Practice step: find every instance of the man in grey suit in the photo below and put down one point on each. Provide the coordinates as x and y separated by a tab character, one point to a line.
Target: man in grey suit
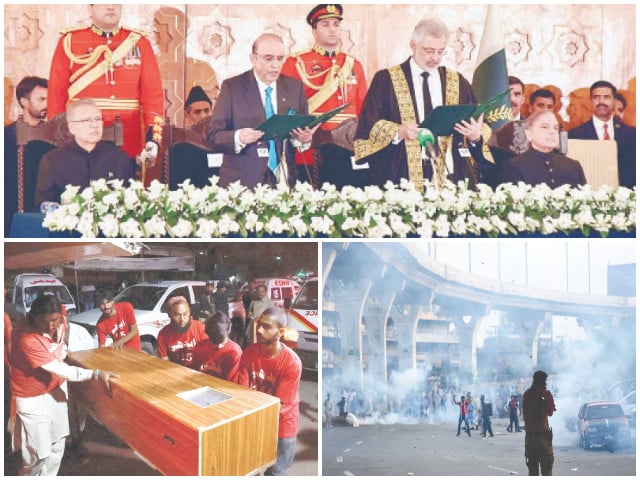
243	104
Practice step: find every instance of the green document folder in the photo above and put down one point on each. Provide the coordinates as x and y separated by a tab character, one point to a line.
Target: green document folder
443	118
277	127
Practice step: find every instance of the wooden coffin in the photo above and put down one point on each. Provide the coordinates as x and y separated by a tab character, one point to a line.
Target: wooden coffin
234	432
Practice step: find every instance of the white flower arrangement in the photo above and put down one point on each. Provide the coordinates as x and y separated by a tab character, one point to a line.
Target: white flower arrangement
111	209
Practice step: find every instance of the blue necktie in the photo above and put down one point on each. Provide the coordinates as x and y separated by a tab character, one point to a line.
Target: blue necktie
268	112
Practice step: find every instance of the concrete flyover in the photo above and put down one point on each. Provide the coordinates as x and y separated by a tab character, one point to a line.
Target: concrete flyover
382	294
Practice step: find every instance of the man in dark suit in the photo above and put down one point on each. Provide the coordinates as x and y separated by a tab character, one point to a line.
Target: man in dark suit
604	126
241	107
541	164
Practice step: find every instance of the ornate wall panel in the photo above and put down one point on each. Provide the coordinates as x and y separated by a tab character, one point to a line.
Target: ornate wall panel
566	46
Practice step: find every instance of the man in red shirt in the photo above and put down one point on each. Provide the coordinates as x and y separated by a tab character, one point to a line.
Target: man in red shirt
271	367
39	384
464	412
218	355
118	321
177	340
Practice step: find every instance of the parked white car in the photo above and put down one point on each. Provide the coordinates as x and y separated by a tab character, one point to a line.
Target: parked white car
149	304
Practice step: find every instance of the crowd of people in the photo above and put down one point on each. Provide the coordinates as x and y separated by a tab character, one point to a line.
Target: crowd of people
534	406
378	125
429	400
38	374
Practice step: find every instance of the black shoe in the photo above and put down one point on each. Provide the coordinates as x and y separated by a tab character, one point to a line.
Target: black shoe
483	435
457	434
491	435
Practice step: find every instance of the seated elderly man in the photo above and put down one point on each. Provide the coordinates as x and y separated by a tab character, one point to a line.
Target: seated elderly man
541	164
84	159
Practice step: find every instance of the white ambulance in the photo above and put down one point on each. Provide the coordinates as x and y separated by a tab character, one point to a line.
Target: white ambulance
27	286
281	291
303	317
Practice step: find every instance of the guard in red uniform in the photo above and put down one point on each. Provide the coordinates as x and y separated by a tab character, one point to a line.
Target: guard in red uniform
117	67
331	78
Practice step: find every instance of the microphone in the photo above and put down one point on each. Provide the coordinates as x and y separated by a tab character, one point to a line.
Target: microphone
427	139
563	146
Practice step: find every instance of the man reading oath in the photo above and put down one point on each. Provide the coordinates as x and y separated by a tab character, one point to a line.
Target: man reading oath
400	98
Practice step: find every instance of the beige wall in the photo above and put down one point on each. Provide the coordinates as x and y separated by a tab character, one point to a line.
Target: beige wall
568	46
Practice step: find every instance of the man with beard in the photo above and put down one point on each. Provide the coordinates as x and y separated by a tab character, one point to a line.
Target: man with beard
39	384
177	340
118	321
31	93
218	355
271	367
604	126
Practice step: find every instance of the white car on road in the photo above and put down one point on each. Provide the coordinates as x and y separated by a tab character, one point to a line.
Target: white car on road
149	304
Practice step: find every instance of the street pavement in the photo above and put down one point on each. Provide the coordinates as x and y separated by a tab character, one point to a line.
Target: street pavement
434	449
106	455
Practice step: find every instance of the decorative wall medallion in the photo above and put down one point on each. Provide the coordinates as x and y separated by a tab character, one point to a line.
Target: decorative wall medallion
517	47
23	33
463	46
567	46
216	40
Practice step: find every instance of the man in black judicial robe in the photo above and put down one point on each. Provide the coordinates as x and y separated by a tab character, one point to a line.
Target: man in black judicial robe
541	164
388	124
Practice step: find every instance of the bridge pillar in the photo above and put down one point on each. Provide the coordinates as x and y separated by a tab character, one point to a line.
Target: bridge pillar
383	355
467	334
406	334
529	324
349	303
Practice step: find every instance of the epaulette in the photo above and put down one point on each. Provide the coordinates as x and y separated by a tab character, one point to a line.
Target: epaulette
74	29
144	33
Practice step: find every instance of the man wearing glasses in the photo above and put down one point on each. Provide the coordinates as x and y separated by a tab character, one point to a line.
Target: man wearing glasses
245	102
116	66
400	98
84	159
